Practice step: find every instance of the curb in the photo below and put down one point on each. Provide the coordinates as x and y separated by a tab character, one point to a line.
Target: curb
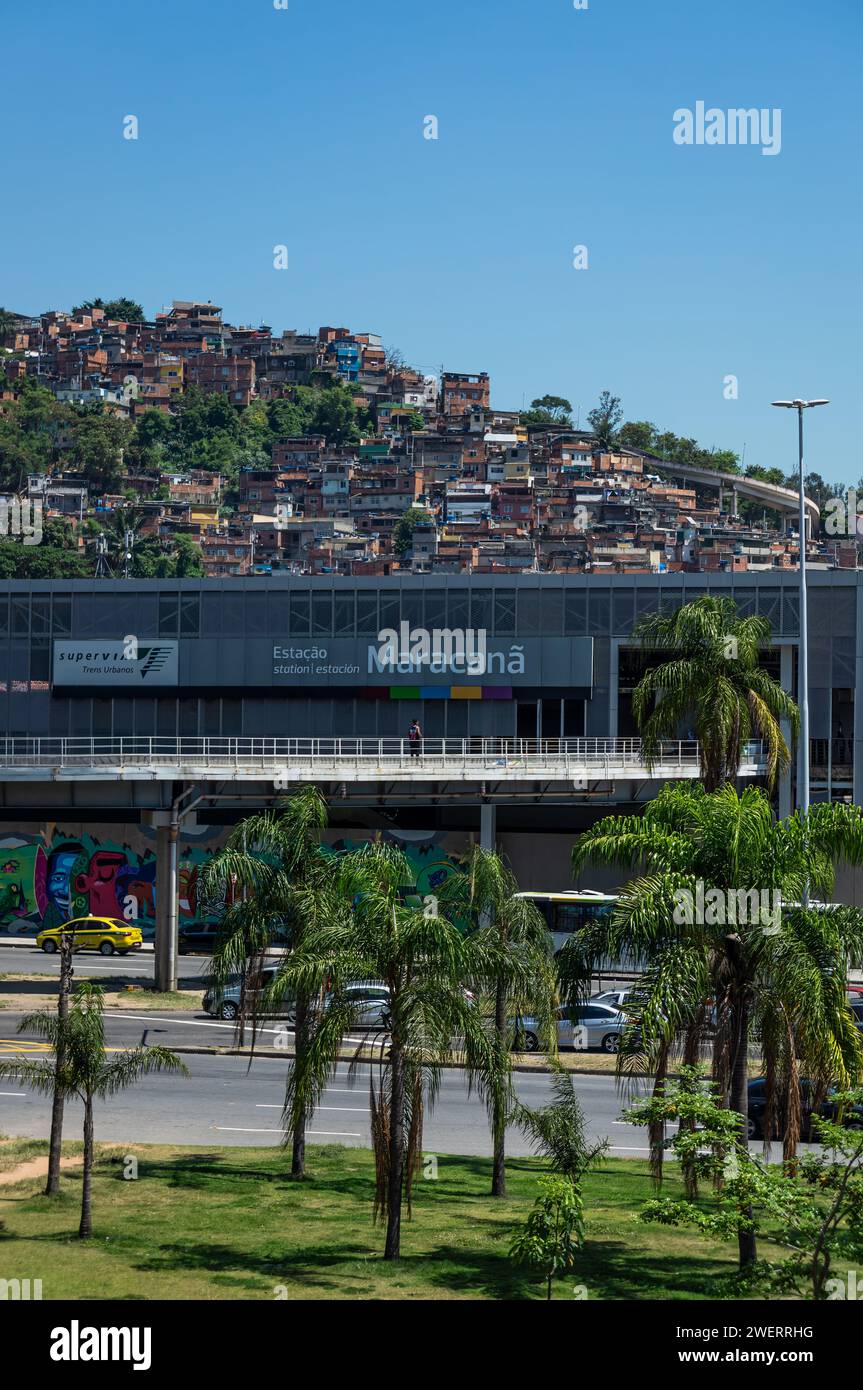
29	943
281	1054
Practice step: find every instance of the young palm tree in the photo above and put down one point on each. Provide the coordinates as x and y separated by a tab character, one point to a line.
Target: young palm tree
86	1071
557	1131
712	680
282	878
523	981
781	978
424	961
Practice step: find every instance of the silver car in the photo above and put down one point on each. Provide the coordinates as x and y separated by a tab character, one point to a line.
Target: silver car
615	998
224	1002
370	1002
585	1027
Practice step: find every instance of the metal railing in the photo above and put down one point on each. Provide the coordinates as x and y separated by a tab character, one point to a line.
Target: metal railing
838	751
565	758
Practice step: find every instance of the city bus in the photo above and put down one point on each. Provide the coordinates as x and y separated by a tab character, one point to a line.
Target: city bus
566	913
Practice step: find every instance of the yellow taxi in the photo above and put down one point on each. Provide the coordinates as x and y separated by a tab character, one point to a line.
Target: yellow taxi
103	934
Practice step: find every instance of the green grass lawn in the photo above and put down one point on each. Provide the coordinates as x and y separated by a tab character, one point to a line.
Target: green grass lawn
226	1224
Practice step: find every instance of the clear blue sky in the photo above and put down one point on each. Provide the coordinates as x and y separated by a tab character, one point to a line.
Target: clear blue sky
305	127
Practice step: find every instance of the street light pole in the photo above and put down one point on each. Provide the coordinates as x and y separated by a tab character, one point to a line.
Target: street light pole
803	658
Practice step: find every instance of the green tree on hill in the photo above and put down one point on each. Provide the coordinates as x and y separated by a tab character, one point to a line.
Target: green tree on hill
403	533
605	420
548	410
99	444
120	310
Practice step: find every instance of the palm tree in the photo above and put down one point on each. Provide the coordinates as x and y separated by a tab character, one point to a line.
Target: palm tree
779	976
275	862
424	960
557	1131
523	981
711	679
86	1072
55	1142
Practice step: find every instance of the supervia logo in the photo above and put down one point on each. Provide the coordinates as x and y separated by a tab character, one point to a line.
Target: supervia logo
152	659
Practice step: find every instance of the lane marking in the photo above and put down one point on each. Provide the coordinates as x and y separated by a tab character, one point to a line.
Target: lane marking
13	1093
346	1109
333	1133
239	1129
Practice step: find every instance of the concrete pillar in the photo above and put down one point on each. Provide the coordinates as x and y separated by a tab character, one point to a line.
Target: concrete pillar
166	903
786	675
858	700
488	826
614	688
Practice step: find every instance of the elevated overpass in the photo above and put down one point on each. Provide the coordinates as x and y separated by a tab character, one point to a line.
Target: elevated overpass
164	780
288	762
780	499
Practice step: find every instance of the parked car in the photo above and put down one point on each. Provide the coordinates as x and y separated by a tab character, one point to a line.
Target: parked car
370	1001
197	936
224	1002
103	934
371	1005
602	1027
202	937
614	998
828	1111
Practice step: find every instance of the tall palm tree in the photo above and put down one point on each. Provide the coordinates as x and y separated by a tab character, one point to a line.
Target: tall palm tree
281	876
523	979
86	1071
424	961
711	679
58	1100
780	978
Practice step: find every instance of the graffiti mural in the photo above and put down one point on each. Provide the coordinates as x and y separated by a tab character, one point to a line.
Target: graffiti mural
45	882
49	877
432	861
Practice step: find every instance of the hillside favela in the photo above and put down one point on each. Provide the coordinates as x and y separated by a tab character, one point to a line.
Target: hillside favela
183	445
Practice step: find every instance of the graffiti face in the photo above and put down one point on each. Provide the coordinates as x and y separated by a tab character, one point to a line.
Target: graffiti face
59	880
20	869
46	884
99	882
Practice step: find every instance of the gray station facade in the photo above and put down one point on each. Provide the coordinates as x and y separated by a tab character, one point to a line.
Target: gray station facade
298	656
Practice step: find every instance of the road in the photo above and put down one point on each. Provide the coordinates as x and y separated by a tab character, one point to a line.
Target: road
27	960
227	1102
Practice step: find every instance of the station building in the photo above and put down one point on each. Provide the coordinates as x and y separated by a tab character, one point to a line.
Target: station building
530	657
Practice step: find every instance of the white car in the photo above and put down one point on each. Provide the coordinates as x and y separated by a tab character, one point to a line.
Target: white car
615	998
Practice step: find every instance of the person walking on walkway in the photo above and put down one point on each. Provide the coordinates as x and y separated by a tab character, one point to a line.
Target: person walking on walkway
415	738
